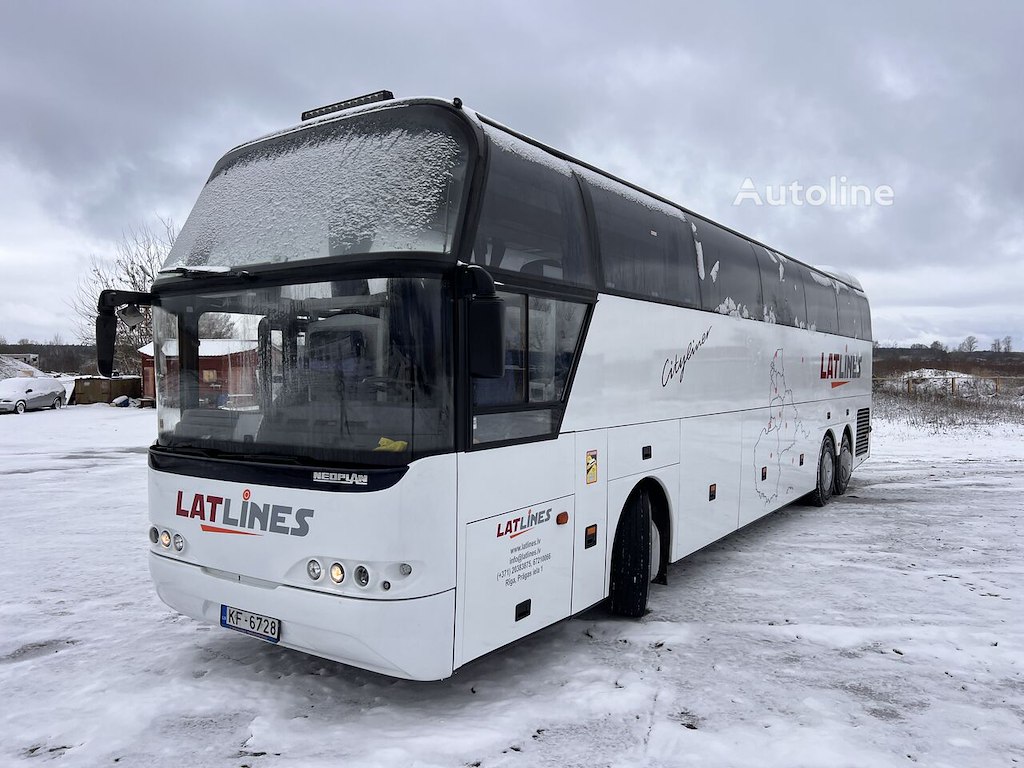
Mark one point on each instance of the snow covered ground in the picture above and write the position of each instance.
(884, 630)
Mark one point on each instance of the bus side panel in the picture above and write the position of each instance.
(518, 574)
(709, 495)
(496, 488)
(771, 473)
(590, 552)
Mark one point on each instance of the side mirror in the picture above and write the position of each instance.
(486, 327)
(485, 324)
(106, 333)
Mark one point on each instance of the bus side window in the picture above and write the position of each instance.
(541, 339)
(510, 389)
(646, 247)
(730, 280)
(849, 313)
(783, 285)
(865, 315)
(532, 219)
(822, 308)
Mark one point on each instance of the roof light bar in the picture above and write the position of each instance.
(369, 98)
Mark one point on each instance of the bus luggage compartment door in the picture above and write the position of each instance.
(518, 574)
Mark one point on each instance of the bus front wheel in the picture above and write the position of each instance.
(826, 472)
(632, 557)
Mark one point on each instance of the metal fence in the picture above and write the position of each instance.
(957, 385)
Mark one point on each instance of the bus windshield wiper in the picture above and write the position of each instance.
(193, 449)
(214, 453)
(208, 270)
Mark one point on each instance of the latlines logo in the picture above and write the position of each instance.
(253, 519)
(840, 369)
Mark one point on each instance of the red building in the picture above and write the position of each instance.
(227, 369)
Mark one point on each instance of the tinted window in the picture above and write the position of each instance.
(782, 281)
(730, 281)
(541, 337)
(865, 315)
(646, 247)
(532, 220)
(849, 313)
(822, 309)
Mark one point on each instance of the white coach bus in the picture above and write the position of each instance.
(467, 386)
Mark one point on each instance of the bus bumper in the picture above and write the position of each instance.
(411, 639)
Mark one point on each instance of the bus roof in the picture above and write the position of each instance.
(455, 105)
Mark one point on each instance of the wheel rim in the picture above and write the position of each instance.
(653, 567)
(19, 407)
(826, 469)
(845, 463)
(56, 402)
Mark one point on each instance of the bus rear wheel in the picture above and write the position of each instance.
(844, 466)
(632, 557)
(826, 472)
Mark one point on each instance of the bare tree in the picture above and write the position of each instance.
(997, 346)
(1007, 344)
(938, 346)
(970, 344)
(133, 267)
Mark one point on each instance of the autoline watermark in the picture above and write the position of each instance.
(837, 192)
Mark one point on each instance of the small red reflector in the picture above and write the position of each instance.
(562, 518)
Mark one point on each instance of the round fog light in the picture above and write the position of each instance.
(165, 539)
(405, 569)
(337, 573)
(362, 576)
(154, 535)
(313, 569)
(179, 542)
(386, 585)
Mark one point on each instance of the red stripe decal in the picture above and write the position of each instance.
(838, 383)
(215, 529)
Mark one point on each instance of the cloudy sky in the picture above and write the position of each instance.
(115, 112)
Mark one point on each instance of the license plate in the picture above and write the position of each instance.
(263, 627)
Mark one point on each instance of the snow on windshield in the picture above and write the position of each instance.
(387, 181)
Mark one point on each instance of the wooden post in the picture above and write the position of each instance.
(952, 385)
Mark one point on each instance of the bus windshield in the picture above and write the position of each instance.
(389, 180)
(340, 372)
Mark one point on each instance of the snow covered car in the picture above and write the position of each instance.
(22, 394)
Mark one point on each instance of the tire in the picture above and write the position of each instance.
(631, 558)
(19, 407)
(844, 466)
(58, 403)
(826, 473)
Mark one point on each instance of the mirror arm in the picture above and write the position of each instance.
(106, 323)
(111, 299)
